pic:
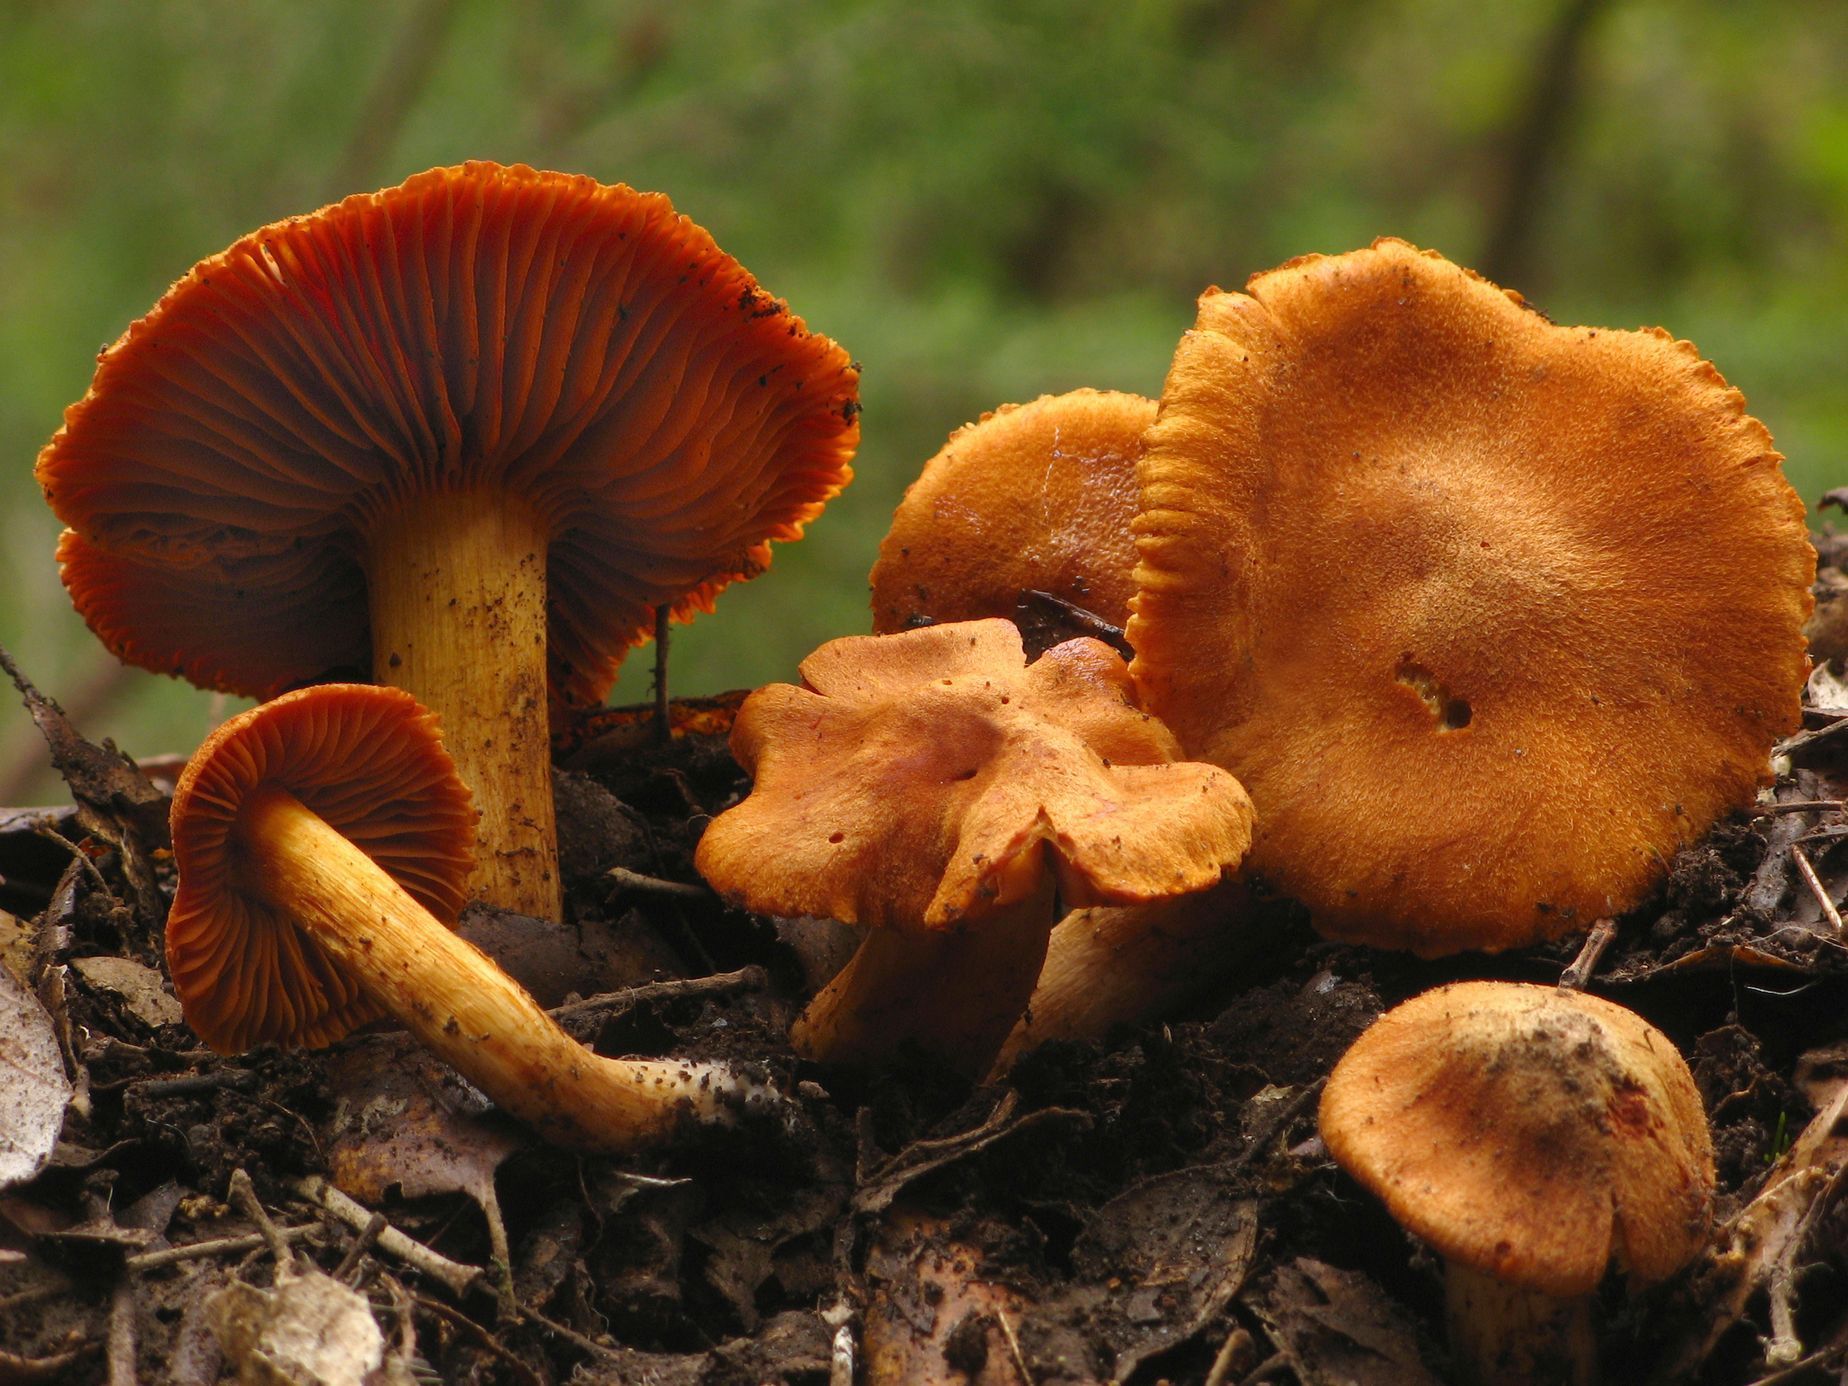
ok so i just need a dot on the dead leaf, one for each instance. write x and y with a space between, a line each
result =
1170 1254
33 1090
141 989
1337 1327
309 1331
933 1319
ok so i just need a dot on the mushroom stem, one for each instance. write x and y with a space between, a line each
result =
1508 1335
951 994
1112 965
456 583
460 1004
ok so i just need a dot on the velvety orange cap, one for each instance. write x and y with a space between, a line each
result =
1490 616
579 344
924 778
1032 497
370 761
1532 1133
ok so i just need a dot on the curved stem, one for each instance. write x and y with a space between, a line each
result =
456 585
460 1004
951 995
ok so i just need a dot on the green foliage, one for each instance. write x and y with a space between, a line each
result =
982 201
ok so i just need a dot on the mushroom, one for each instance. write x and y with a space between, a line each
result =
322 842
935 788
1032 497
1532 1136
468 434
1490 616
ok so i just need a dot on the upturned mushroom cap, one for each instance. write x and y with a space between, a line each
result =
580 345
1490 616
1535 1134
1030 497
370 762
924 778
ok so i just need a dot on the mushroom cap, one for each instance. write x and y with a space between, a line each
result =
1490 616
369 761
1030 497
1535 1134
924 778
479 326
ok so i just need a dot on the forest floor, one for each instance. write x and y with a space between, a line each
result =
1157 1207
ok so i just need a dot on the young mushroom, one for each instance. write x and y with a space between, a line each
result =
1533 1137
935 788
322 842
466 434
1490 616
1031 497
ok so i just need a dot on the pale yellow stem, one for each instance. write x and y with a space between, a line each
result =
1506 1335
457 590
952 996
460 1004
1113 965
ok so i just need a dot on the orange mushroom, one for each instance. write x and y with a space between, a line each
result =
1490 616
1533 1136
322 842
1032 497
465 434
933 786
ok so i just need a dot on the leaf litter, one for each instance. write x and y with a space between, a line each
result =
1154 1208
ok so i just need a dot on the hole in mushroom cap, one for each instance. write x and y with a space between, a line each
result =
837 838
1452 713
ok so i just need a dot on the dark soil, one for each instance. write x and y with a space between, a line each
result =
1155 1207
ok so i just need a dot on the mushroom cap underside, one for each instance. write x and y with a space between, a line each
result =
370 762
1490 616
579 345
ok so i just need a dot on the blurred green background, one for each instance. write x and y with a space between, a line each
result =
982 201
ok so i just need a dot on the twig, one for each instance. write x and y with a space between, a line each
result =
570 1335
1798 806
482 1335
122 1345
1579 972
458 1278
664 729
1234 1355
752 978
41 827
654 885
1808 872
1269 1367
243 1196
1274 1128
842 1366
218 1246
1013 1348
361 1245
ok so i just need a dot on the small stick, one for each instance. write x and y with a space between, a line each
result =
1579 973
122 1346
458 1278
842 1364
361 1245
1235 1355
1799 806
243 1196
664 731
482 1336
655 885
42 828
218 1246
1814 882
751 978
1013 1348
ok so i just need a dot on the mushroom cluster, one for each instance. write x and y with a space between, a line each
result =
936 789
464 436
323 841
